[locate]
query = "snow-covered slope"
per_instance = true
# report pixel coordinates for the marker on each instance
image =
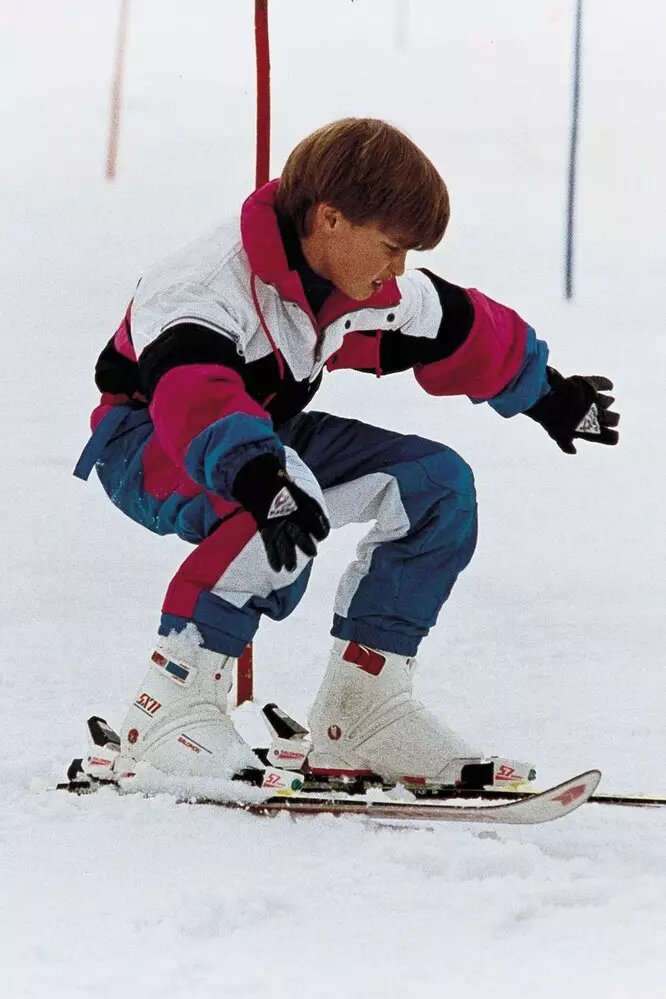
(552, 646)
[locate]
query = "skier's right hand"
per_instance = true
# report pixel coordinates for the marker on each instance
(288, 518)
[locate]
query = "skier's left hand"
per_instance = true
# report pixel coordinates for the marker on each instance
(576, 407)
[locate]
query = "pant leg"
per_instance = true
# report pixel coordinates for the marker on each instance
(421, 496)
(226, 583)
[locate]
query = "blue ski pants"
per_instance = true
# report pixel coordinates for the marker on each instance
(417, 494)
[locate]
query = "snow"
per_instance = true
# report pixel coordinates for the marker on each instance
(551, 648)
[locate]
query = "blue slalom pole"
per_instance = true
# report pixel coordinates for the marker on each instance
(573, 156)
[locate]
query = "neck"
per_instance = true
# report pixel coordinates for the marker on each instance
(314, 255)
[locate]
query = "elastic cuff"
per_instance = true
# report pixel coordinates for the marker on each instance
(256, 481)
(213, 638)
(375, 638)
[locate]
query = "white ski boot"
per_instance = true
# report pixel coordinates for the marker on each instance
(364, 719)
(178, 722)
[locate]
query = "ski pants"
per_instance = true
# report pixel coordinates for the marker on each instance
(417, 494)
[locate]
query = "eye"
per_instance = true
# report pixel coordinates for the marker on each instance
(392, 249)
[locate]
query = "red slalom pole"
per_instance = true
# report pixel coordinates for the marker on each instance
(245, 666)
(263, 92)
(116, 91)
(244, 676)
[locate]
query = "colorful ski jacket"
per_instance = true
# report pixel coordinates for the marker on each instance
(221, 343)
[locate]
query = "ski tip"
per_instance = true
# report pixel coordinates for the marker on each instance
(585, 783)
(589, 777)
(567, 796)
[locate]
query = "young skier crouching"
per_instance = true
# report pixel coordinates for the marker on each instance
(201, 433)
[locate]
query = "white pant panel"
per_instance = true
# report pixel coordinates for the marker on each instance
(371, 497)
(249, 574)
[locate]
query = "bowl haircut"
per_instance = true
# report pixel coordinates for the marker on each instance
(370, 171)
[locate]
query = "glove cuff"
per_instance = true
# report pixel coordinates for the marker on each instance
(545, 406)
(256, 484)
(564, 407)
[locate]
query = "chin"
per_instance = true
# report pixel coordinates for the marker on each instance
(361, 294)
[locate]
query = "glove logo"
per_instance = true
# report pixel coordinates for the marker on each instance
(590, 422)
(283, 504)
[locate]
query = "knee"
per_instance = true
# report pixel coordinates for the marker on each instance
(453, 475)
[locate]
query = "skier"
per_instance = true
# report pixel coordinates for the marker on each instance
(200, 432)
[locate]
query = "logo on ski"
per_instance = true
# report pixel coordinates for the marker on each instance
(273, 780)
(571, 794)
(98, 761)
(282, 782)
(507, 773)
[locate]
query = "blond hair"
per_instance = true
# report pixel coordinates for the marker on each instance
(371, 172)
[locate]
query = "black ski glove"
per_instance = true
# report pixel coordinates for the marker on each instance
(576, 407)
(286, 515)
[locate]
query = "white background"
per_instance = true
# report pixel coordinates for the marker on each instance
(551, 648)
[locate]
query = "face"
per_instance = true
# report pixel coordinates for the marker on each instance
(356, 258)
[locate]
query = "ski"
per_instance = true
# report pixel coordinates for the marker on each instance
(537, 807)
(317, 788)
(319, 784)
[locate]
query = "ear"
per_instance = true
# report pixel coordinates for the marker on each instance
(325, 218)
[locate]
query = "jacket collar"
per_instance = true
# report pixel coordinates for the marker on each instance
(262, 242)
